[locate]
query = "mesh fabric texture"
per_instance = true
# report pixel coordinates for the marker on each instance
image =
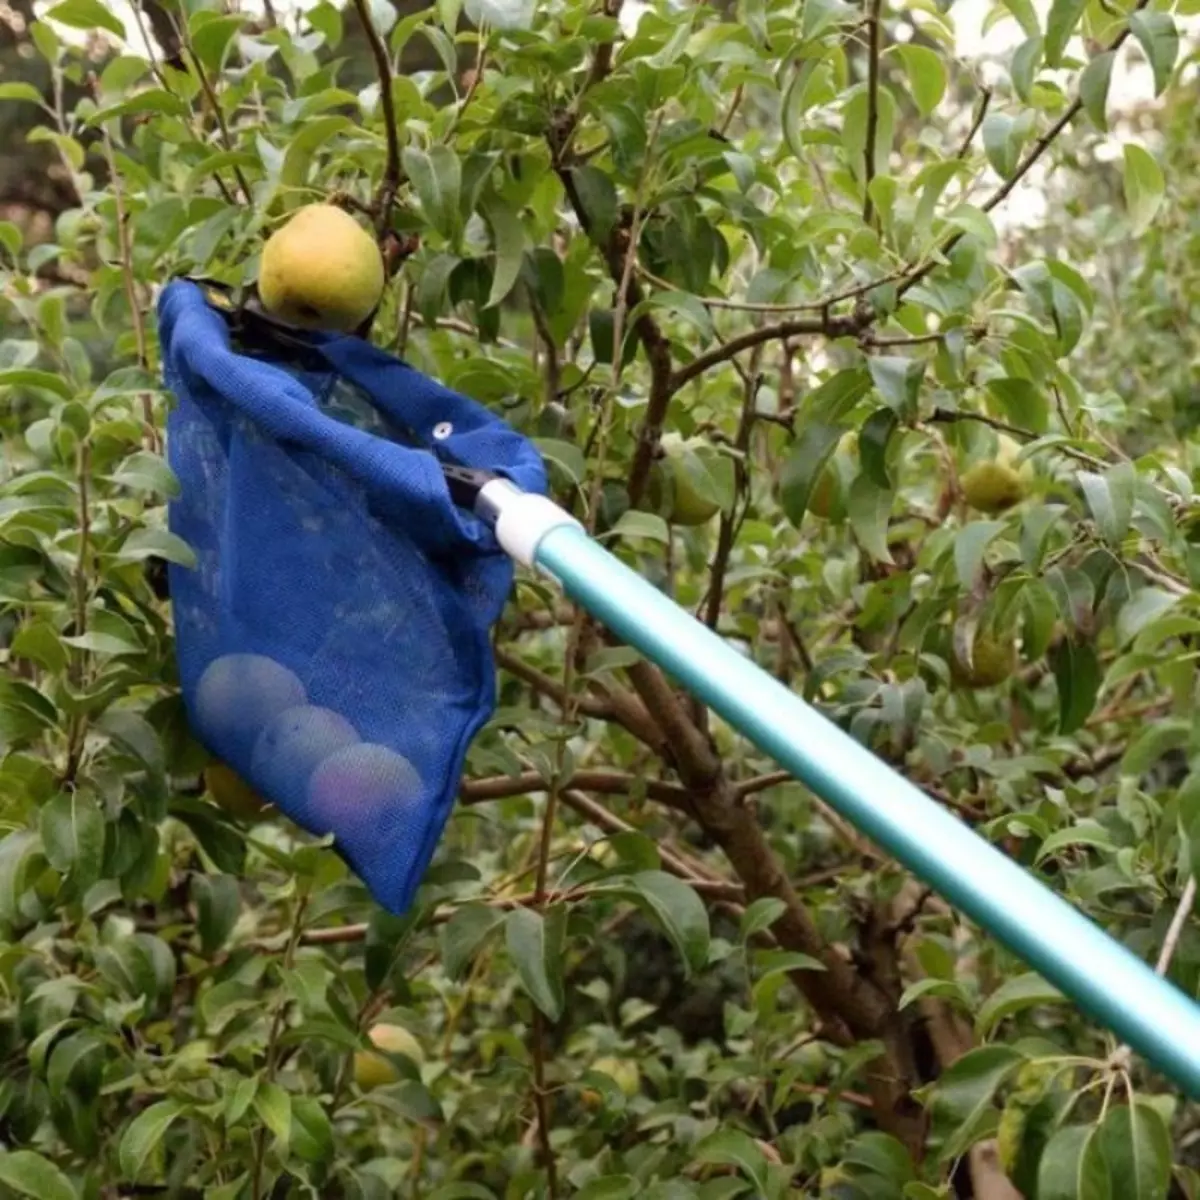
(333, 635)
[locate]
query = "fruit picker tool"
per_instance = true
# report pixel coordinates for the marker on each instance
(1101, 976)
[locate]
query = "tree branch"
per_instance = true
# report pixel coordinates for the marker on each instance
(615, 705)
(607, 783)
(385, 197)
(741, 482)
(826, 326)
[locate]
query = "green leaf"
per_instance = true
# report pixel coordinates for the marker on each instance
(1136, 1145)
(969, 548)
(611, 1187)
(274, 1105)
(950, 988)
(1025, 62)
(1144, 606)
(881, 1155)
(870, 507)
(732, 1147)
(144, 1134)
(300, 150)
(29, 1174)
(973, 222)
(1093, 88)
(1024, 402)
(312, 1132)
(1159, 39)
(20, 91)
(66, 1057)
(635, 524)
(898, 381)
(873, 440)
(72, 829)
(1060, 26)
(962, 1096)
(146, 472)
(1013, 996)
(796, 102)
(24, 712)
(508, 241)
(10, 236)
(1025, 15)
(836, 397)
(218, 904)
(1078, 676)
(461, 937)
(926, 75)
(46, 380)
(1003, 137)
(87, 14)
(1152, 743)
(501, 14)
(1144, 187)
(761, 915)
(327, 21)
(1110, 498)
(1073, 1167)
(437, 177)
(535, 942)
(778, 962)
(16, 851)
(819, 15)
(803, 466)
(212, 36)
(597, 198)
(680, 912)
(1084, 833)
(146, 542)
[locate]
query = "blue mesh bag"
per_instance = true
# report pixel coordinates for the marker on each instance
(333, 635)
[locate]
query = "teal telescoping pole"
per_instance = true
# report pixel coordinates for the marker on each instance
(1104, 978)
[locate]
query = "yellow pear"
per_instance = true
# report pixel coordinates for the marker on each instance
(373, 1070)
(321, 270)
(232, 792)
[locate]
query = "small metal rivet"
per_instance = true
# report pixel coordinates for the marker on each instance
(442, 430)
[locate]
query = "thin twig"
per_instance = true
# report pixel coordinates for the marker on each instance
(985, 100)
(260, 1148)
(385, 197)
(820, 305)
(873, 23)
(943, 416)
(219, 115)
(149, 433)
(1175, 931)
(741, 484)
(77, 730)
(731, 111)
(1032, 155)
